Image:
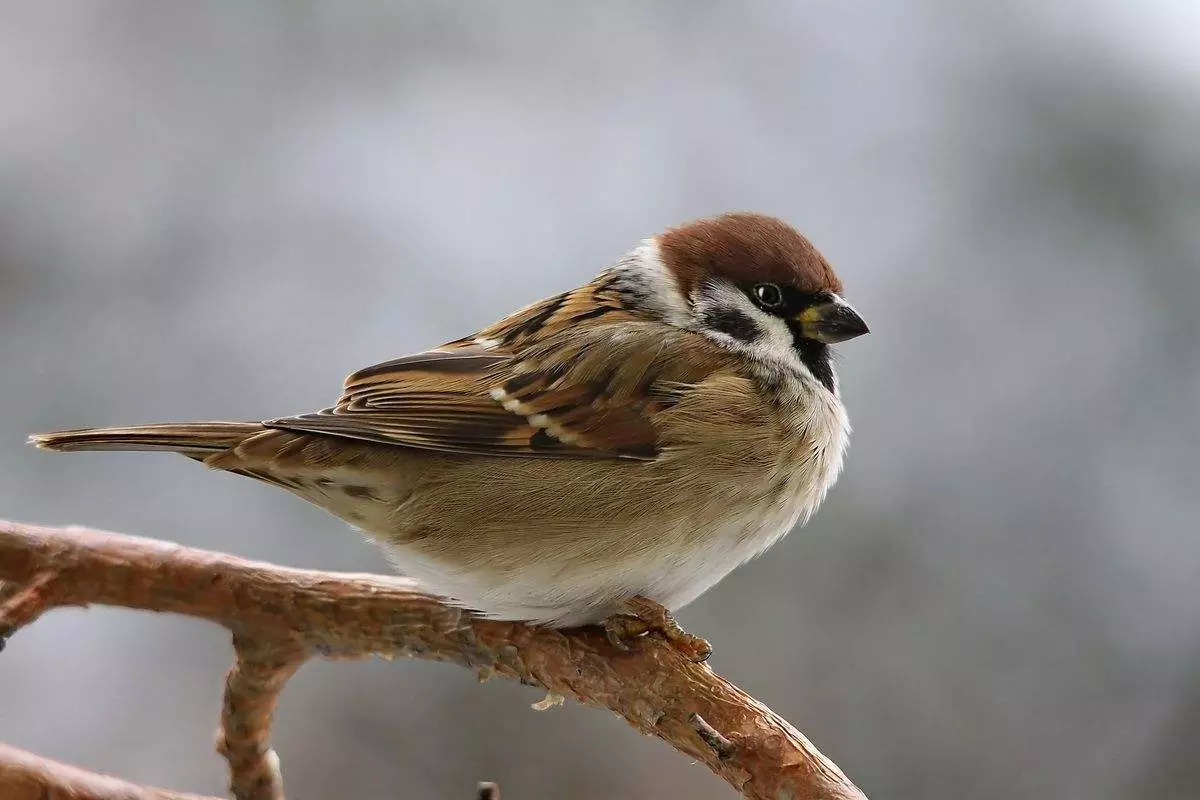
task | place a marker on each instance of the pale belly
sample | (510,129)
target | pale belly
(580,578)
(683,564)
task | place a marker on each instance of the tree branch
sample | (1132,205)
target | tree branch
(25,776)
(281,616)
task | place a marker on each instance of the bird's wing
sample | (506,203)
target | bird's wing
(533,388)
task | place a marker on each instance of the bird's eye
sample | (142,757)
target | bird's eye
(768,296)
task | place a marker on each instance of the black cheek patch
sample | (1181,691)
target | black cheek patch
(733,322)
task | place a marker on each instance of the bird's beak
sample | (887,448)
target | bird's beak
(831,321)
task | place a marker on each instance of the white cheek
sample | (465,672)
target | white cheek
(777,344)
(772,346)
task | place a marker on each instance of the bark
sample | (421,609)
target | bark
(280,617)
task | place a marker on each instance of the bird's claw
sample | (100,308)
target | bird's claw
(639,616)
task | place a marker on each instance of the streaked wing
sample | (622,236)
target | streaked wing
(588,388)
(594,303)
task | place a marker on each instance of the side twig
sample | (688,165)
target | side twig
(281,616)
(252,689)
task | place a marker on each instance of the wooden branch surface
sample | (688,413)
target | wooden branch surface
(25,776)
(281,616)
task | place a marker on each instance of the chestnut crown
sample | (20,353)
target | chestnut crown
(744,247)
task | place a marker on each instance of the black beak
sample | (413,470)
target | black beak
(831,321)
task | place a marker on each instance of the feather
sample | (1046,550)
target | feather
(574,376)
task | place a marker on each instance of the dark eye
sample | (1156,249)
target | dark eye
(768,296)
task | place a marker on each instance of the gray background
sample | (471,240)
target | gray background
(218,210)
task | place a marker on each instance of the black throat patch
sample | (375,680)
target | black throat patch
(816,356)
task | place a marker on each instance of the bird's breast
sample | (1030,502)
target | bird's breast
(564,542)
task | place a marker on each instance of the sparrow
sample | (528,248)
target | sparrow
(603,456)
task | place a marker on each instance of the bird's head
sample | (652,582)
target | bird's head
(755,285)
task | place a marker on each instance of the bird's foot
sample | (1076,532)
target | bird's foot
(639,616)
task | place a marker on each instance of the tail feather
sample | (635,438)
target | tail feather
(189,438)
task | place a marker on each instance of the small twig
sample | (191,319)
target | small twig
(252,690)
(720,745)
(25,776)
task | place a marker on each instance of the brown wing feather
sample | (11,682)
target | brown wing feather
(550,384)
(593,303)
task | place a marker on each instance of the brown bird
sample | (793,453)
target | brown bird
(602,456)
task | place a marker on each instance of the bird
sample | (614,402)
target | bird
(600,457)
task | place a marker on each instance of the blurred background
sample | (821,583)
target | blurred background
(218,210)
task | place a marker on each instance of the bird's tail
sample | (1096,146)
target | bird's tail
(195,439)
